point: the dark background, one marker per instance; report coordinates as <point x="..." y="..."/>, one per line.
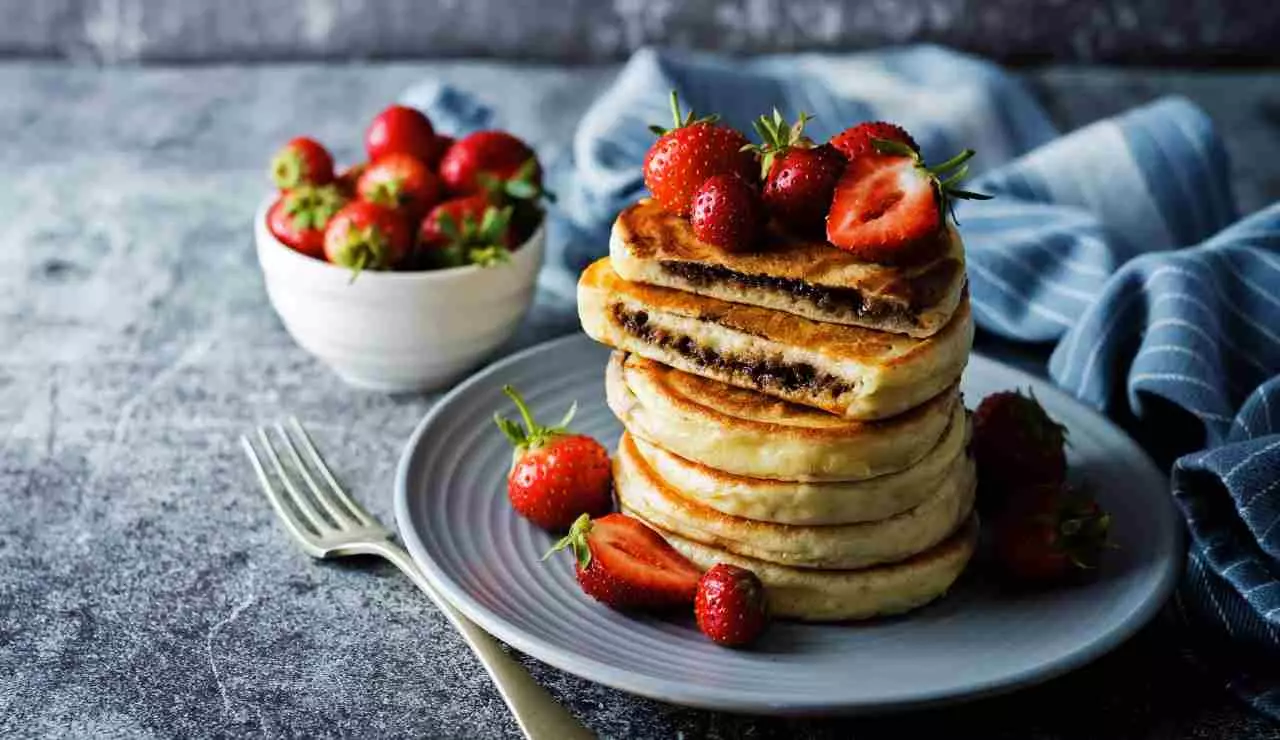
<point x="1184" y="32"/>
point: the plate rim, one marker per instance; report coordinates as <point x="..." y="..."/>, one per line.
<point x="709" y="698"/>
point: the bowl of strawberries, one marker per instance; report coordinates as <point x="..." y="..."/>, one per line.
<point x="403" y="272"/>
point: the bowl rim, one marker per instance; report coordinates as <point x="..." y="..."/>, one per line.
<point x="442" y="274"/>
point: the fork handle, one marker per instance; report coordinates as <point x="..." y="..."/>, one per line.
<point x="538" y="714"/>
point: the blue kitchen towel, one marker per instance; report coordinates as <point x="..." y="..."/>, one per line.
<point x="1118" y="243"/>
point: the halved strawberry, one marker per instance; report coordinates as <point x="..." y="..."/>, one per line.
<point x="858" y="140"/>
<point x="889" y="207"/>
<point x="626" y="565"/>
<point x="684" y="157"/>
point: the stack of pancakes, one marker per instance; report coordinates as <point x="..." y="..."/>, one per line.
<point x="791" y="410"/>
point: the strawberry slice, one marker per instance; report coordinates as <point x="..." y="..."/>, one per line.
<point x="626" y="565"/>
<point x="889" y="207"/>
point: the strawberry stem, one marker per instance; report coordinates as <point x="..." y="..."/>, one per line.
<point x="531" y="435"/>
<point x="954" y="162"/>
<point x="576" y="539"/>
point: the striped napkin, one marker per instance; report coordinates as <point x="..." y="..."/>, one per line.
<point x="1120" y="243"/>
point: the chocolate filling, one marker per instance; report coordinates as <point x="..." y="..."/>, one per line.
<point x="766" y="372"/>
<point x="848" y="300"/>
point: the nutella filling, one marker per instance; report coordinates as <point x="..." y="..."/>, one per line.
<point x="765" y="372"/>
<point x="846" y="301"/>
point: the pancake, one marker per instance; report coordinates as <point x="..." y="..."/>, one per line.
<point x="846" y="370"/>
<point x="806" y="278"/>
<point x="746" y="433"/>
<point x="839" y="595"/>
<point x="788" y="502"/>
<point x="841" y="546"/>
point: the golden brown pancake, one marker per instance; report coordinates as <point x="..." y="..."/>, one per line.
<point x="838" y="595"/>
<point x="794" y="502"/>
<point x="746" y="433"/>
<point x="846" y="370"/>
<point x="807" y="278"/>
<point x="841" y="546"/>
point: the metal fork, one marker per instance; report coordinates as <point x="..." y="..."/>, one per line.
<point x="329" y="524"/>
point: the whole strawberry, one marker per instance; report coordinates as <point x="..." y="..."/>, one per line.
<point x="468" y="230"/>
<point x="299" y="217"/>
<point x="347" y="179"/>
<point x="555" y="476"/>
<point x="400" y="181"/>
<point x="402" y="129"/>
<point x="302" y="161"/>
<point x="858" y="140"/>
<point x="366" y="236"/>
<point x="889" y="207"/>
<point x="623" y="563"/>
<point x="1049" y="532"/>
<point x="730" y="605"/>
<point x="684" y="157"/>
<point x="727" y="212"/>
<point x="1016" y="444"/>
<point x="491" y="161"/>
<point x="799" y="177"/>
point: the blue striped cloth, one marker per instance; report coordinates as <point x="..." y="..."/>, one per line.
<point x="1120" y="243"/>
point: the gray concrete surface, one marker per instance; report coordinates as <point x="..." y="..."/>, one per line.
<point x="145" y="587"/>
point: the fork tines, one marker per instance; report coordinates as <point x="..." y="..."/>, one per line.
<point x="300" y="486"/>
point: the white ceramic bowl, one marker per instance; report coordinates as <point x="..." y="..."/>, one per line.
<point x="397" y="331"/>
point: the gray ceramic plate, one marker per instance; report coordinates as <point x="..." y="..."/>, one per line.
<point x="453" y="514"/>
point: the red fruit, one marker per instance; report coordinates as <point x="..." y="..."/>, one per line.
<point x="299" y="217"/>
<point x="1016" y="444"/>
<point x="366" y="236"/>
<point x="400" y="181"/>
<point x="347" y="179"/>
<point x="889" y="207"/>
<point x="555" y="475"/>
<point x="302" y="161"/>
<point x="400" y="129"/>
<point x="626" y="565"/>
<point x="688" y="155"/>
<point x="468" y="230"/>
<point x="727" y="212"/>
<point x="488" y="160"/>
<point x="856" y="141"/>
<point x="1049" y="532"/>
<point x="443" y="143"/>
<point x="730" y="605"/>
<point x="799" y="178"/>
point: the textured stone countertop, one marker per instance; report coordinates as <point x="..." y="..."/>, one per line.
<point x="146" y="589"/>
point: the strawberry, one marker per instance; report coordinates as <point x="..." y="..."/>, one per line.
<point x="347" y="179"/>
<point x="684" y="157"/>
<point x="400" y="181"/>
<point x="1048" y="532"/>
<point x="404" y="130"/>
<point x="799" y="178"/>
<point x="730" y="605"/>
<point x="626" y="565"/>
<point x="856" y="141"/>
<point x="468" y="230"/>
<point x="491" y="161"/>
<point x="727" y="212"/>
<point x="302" y="161"/>
<point x="555" y="475"/>
<point x="889" y="207"/>
<point x="299" y="217"/>
<point x="1016" y="444"/>
<point x="366" y="236"/>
